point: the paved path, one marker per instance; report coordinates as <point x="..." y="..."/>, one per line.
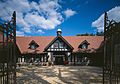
<point x="59" y="75"/>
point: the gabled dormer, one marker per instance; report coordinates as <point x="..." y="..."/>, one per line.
<point x="33" y="45"/>
<point x="84" y="45"/>
<point x="59" y="43"/>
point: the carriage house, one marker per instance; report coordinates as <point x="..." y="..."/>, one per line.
<point x="61" y="49"/>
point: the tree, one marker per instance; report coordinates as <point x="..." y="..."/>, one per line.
<point x="78" y="35"/>
<point x="86" y="34"/>
<point x="100" y="33"/>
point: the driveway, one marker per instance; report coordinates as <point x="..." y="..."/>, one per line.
<point x="59" y="75"/>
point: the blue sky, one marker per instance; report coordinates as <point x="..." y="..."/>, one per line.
<point x="44" y="17"/>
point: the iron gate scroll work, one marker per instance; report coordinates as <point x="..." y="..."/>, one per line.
<point x="8" y="52"/>
<point x="111" y="69"/>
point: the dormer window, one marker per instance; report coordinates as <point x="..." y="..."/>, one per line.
<point x="33" y="45"/>
<point x="84" y="45"/>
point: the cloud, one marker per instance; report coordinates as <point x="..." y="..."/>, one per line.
<point x="114" y="14"/>
<point x="69" y="12"/>
<point x="20" y="33"/>
<point x="40" y="21"/>
<point x="20" y="6"/>
<point x="44" y="14"/>
<point x="40" y="31"/>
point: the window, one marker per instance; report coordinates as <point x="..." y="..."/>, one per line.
<point x="61" y="44"/>
<point x="32" y="46"/>
<point x="56" y="45"/>
<point x="84" y="46"/>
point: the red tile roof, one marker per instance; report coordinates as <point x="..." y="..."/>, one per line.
<point x="43" y="41"/>
<point x="75" y="41"/>
<point x="23" y="43"/>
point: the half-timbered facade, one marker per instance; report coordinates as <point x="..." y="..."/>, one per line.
<point x="60" y="50"/>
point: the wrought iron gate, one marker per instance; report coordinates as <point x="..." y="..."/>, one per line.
<point x="111" y="69"/>
<point x="8" y="52"/>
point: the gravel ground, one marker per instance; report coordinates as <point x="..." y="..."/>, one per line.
<point x="59" y="75"/>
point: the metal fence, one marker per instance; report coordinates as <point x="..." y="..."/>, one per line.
<point x="8" y="51"/>
<point x="111" y="69"/>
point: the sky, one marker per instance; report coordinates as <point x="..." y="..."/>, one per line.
<point x="44" y="17"/>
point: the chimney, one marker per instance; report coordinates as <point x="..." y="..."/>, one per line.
<point x="59" y="32"/>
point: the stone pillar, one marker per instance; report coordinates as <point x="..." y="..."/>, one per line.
<point x="69" y="57"/>
<point x="19" y="60"/>
<point x="50" y="57"/>
<point x="23" y="60"/>
<point x="50" y="60"/>
<point x="53" y="58"/>
<point x="41" y="58"/>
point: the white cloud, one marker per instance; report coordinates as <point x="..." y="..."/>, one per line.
<point x="20" y="33"/>
<point x="20" y="6"/>
<point x="40" y="31"/>
<point x="68" y="13"/>
<point x="114" y="14"/>
<point x="46" y="14"/>
<point x="22" y="23"/>
<point x="40" y="21"/>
